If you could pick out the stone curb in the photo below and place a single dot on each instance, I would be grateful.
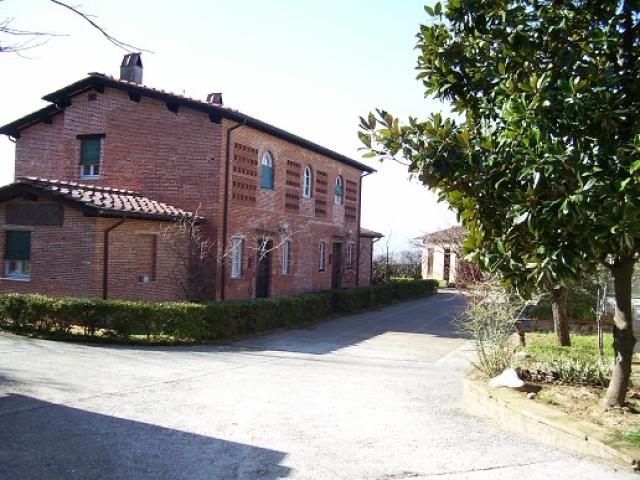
(545, 424)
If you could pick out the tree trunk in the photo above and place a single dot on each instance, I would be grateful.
(560, 319)
(623, 339)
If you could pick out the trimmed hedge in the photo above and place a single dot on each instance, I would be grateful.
(126, 320)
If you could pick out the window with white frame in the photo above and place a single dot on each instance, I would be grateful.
(339, 190)
(307, 180)
(350, 248)
(236, 257)
(286, 258)
(321, 256)
(266, 171)
(90, 155)
(17, 254)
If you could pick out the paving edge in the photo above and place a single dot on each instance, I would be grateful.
(545, 424)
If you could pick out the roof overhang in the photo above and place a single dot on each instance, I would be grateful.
(95, 81)
(28, 191)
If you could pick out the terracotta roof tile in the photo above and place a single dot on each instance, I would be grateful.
(106, 199)
(364, 232)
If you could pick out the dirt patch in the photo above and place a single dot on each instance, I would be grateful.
(586, 403)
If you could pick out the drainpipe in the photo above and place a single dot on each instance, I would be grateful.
(225, 208)
(105, 267)
(359, 217)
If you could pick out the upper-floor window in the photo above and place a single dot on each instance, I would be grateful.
(339, 190)
(17, 254)
(286, 258)
(266, 171)
(307, 180)
(236, 257)
(90, 153)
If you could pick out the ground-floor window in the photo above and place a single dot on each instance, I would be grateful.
(321, 256)
(286, 258)
(236, 257)
(350, 248)
(17, 254)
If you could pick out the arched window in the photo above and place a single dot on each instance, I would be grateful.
(338, 190)
(266, 171)
(307, 179)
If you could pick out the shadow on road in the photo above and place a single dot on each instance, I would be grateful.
(50, 441)
(430, 316)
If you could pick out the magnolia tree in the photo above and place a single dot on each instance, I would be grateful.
(544, 167)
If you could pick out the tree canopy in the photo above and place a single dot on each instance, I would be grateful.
(544, 168)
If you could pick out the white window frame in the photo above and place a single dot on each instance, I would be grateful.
(307, 180)
(92, 171)
(236, 256)
(321, 256)
(350, 246)
(286, 260)
(338, 198)
(21, 270)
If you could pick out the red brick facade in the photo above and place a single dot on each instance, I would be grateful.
(67, 260)
(178, 156)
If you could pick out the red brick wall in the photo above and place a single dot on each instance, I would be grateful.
(63, 258)
(366, 245)
(125, 243)
(268, 217)
(171, 157)
(179, 158)
(67, 260)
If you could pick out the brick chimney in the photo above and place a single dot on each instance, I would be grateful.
(131, 68)
(215, 98)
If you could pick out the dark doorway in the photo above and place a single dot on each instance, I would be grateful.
(447, 264)
(264, 267)
(336, 265)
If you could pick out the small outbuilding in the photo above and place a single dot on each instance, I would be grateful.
(440, 253)
(89, 241)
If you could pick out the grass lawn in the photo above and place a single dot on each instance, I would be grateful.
(584, 348)
(583, 399)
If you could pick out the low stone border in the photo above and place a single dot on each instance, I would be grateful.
(546, 424)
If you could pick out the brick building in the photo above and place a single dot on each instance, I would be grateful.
(132, 171)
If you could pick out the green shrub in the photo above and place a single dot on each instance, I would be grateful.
(124, 319)
(489, 323)
(576, 372)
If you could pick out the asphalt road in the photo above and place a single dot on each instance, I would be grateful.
(370, 396)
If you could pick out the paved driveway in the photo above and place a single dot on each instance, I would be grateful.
(371, 396)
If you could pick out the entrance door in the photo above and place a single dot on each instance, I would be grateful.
(447, 265)
(264, 267)
(336, 265)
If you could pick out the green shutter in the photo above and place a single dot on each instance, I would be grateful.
(17, 245)
(266, 180)
(90, 151)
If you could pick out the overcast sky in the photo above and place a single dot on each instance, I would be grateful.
(308, 67)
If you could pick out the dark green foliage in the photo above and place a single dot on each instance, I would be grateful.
(173, 321)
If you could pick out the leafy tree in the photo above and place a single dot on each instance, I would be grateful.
(544, 168)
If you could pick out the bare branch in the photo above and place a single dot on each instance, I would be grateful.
(35, 38)
(118, 43)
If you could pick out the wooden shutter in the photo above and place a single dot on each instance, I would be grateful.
(17, 245)
(90, 151)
